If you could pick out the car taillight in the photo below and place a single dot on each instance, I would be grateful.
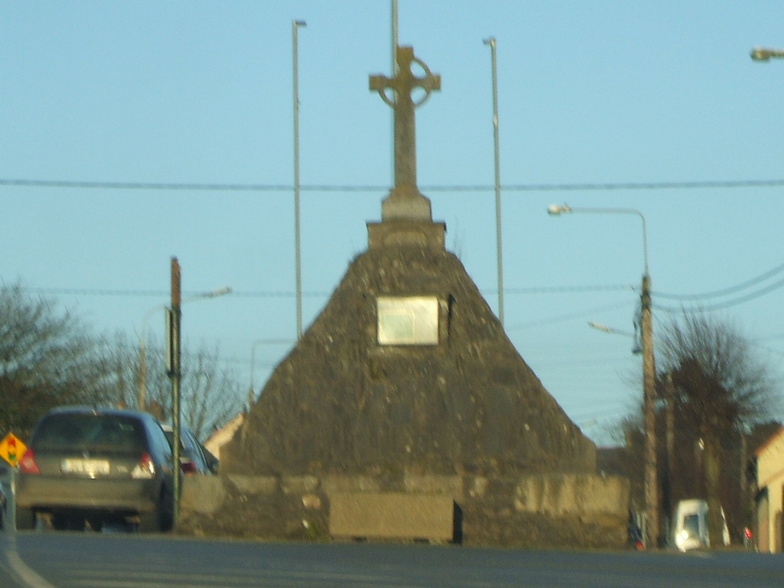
(27, 464)
(188, 467)
(145, 468)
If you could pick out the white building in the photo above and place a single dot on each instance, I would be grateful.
(223, 435)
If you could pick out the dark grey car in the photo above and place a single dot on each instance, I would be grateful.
(194, 457)
(86, 466)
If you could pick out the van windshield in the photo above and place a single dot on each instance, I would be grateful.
(691, 525)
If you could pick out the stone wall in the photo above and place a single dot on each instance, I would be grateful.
(538, 510)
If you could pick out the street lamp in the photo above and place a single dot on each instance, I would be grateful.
(499, 258)
(142, 392)
(648, 373)
(765, 54)
(636, 349)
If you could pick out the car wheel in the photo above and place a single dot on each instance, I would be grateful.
(158, 519)
(150, 522)
(167, 521)
(25, 519)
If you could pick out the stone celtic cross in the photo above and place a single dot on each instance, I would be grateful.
(405, 201)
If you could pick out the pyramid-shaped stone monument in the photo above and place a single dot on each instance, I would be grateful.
(404, 412)
(406, 369)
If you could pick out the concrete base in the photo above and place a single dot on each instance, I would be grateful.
(555, 510)
(392, 515)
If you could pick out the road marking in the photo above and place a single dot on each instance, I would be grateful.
(18, 567)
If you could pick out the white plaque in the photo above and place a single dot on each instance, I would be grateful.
(409, 320)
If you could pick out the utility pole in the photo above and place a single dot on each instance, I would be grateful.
(670, 441)
(174, 316)
(649, 415)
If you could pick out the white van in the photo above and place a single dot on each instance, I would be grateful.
(690, 525)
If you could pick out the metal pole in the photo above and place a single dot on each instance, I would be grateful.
(499, 248)
(175, 319)
(297, 255)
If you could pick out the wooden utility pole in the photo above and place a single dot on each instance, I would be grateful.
(174, 374)
(649, 418)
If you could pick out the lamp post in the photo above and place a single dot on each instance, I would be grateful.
(499, 256)
(141, 398)
(648, 378)
(295, 24)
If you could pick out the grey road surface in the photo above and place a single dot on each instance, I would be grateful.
(83, 560)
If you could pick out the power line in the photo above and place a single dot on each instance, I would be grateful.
(221, 187)
(535, 290)
(286, 294)
(730, 303)
(562, 318)
(563, 289)
(725, 291)
(163, 294)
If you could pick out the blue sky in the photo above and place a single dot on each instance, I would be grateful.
(654, 106)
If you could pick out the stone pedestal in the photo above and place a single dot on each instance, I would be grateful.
(405, 233)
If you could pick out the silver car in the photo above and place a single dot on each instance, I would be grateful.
(86, 466)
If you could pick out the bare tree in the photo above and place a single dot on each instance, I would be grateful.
(718, 387)
(47, 358)
(210, 394)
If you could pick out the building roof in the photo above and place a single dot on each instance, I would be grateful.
(769, 441)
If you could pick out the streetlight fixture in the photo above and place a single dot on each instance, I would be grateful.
(499, 256)
(141, 398)
(765, 54)
(636, 349)
(648, 370)
(295, 24)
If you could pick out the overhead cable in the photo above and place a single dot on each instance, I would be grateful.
(725, 291)
(722, 305)
(233, 187)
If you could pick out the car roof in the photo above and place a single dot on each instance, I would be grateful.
(108, 410)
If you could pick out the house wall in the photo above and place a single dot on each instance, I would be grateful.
(221, 436)
(770, 481)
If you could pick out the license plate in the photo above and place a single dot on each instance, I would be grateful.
(86, 467)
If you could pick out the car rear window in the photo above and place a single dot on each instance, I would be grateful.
(90, 432)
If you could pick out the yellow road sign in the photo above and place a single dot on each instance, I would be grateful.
(12, 449)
